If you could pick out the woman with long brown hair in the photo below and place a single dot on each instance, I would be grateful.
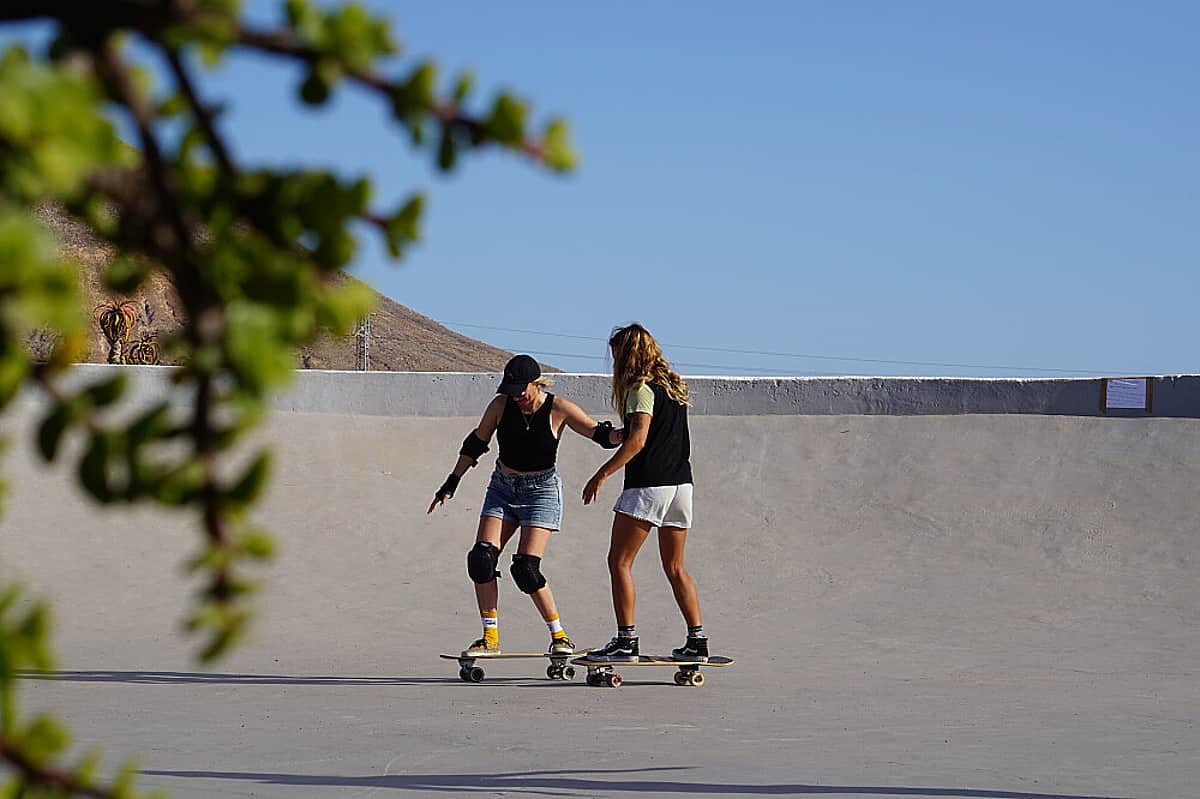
(656, 455)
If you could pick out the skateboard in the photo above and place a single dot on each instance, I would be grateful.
(557, 670)
(600, 672)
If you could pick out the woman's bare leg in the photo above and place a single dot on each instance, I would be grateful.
(628, 535)
(670, 548)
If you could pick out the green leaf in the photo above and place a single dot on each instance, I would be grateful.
(402, 228)
(315, 89)
(212, 52)
(93, 469)
(422, 85)
(256, 545)
(88, 768)
(52, 429)
(143, 80)
(254, 348)
(416, 129)
(17, 118)
(415, 96)
(309, 23)
(507, 121)
(226, 624)
(173, 106)
(329, 70)
(302, 14)
(211, 559)
(14, 368)
(150, 425)
(343, 307)
(206, 359)
(105, 392)
(447, 150)
(180, 486)
(45, 737)
(123, 783)
(249, 486)
(220, 643)
(556, 147)
(462, 86)
(335, 250)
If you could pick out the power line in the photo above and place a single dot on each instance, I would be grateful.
(739, 368)
(780, 372)
(768, 353)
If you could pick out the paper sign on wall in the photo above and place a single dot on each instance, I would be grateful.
(1132, 393)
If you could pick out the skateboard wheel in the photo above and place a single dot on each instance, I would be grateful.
(614, 681)
(592, 679)
(568, 673)
(697, 679)
(680, 678)
(553, 672)
(476, 674)
(464, 675)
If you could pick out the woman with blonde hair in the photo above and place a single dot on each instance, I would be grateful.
(655, 453)
(524, 492)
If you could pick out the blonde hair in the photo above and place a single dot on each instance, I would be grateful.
(543, 382)
(638, 359)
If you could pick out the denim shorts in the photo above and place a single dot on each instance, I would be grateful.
(528, 500)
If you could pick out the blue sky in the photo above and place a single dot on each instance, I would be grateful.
(917, 188)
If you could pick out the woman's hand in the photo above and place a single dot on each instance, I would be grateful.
(593, 487)
(444, 493)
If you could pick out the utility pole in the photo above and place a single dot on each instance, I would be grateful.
(362, 344)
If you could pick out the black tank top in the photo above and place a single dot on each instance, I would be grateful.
(666, 458)
(526, 442)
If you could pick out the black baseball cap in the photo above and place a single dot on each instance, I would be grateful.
(518, 373)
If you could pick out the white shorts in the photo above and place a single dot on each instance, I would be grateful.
(662, 506)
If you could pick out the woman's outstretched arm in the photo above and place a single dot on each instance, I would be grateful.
(473, 447)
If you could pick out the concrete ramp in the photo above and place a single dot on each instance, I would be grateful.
(974, 606)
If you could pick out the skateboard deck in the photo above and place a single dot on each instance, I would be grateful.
(557, 670)
(601, 672)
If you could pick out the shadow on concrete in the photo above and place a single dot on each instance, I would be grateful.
(207, 678)
(569, 782)
(213, 678)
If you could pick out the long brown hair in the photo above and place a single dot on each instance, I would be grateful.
(638, 359)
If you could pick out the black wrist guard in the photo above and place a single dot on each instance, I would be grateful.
(449, 487)
(601, 435)
(472, 447)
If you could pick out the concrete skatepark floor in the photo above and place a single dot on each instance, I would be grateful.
(962, 607)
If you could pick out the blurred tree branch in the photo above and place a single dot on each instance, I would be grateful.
(251, 253)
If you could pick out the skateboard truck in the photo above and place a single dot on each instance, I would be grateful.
(468, 671)
(603, 675)
(559, 669)
(689, 675)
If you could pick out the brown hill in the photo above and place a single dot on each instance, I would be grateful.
(400, 339)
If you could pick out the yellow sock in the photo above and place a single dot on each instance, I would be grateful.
(491, 627)
(555, 627)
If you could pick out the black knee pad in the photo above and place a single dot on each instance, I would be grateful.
(527, 572)
(481, 562)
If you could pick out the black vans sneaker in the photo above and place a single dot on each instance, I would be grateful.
(694, 649)
(623, 649)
